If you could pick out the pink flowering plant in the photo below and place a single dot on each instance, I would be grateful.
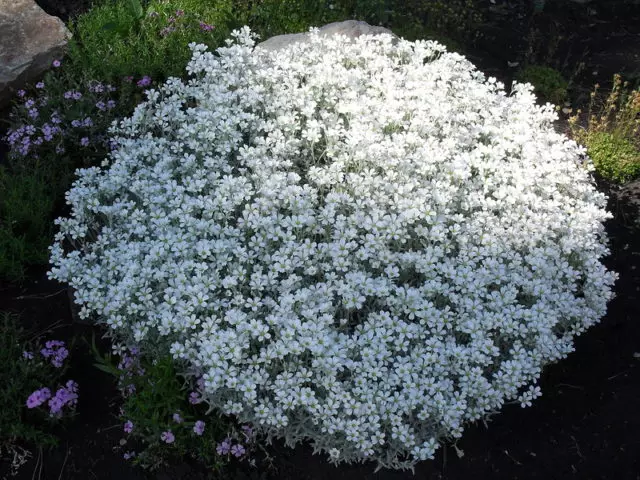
(36, 392)
(164, 416)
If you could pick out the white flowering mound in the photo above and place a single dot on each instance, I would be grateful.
(365, 244)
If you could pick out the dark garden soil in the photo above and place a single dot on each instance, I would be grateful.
(585, 426)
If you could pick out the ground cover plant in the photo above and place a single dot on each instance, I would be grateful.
(611, 131)
(164, 417)
(293, 235)
(36, 394)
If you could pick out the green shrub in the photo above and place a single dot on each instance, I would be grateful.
(115, 39)
(615, 158)
(549, 84)
(28, 415)
(612, 131)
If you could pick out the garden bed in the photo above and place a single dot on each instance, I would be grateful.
(584, 426)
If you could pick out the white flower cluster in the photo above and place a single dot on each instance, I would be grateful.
(362, 243)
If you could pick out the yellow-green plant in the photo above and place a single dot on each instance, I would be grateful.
(612, 131)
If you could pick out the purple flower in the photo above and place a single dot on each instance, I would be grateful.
(57, 63)
(21, 93)
(144, 81)
(76, 123)
(224, 447)
(111, 104)
(198, 428)
(205, 27)
(194, 398)
(129, 389)
(177, 418)
(179, 13)
(38, 397)
(163, 33)
(237, 450)
(167, 437)
(67, 395)
(101, 106)
(40, 85)
(60, 149)
(96, 87)
(55, 350)
(128, 426)
(34, 113)
(247, 430)
(27, 355)
(29, 103)
(87, 122)
(77, 95)
(84, 141)
(129, 455)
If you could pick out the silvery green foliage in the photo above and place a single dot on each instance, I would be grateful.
(365, 244)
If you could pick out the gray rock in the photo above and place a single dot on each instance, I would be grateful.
(350, 28)
(29, 42)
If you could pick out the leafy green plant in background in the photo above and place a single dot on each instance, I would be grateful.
(34, 395)
(612, 131)
(454, 23)
(164, 416)
(122, 38)
(274, 17)
(549, 84)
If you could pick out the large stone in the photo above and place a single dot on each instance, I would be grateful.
(29, 42)
(350, 28)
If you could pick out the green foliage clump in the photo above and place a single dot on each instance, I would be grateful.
(549, 84)
(165, 416)
(118, 38)
(24, 370)
(26, 224)
(616, 158)
(612, 131)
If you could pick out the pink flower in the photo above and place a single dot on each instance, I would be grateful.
(167, 437)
